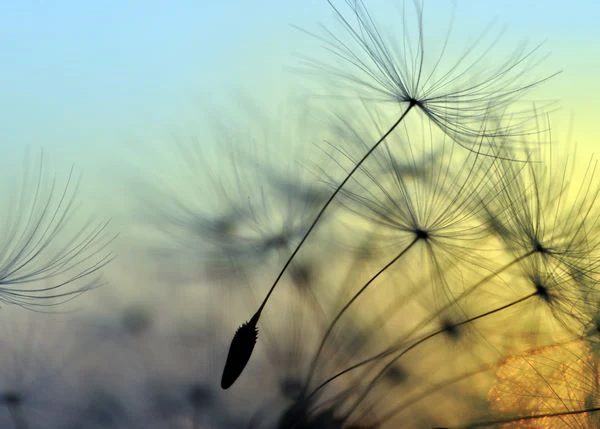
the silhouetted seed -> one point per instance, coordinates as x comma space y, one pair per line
278, 241
301, 274
396, 374
240, 350
221, 227
421, 234
449, 328
542, 291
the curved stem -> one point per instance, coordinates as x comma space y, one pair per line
390, 350
428, 337
329, 201
348, 304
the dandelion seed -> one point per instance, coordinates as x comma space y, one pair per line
548, 208
455, 94
136, 320
437, 211
243, 205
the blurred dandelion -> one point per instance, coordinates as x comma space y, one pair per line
47, 255
244, 208
461, 106
409, 69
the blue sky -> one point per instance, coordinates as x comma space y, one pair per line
81, 76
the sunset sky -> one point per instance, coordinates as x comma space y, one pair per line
120, 89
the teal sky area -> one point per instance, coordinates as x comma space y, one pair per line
91, 77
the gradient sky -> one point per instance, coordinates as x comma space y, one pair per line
91, 77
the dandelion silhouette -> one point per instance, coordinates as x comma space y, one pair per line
452, 102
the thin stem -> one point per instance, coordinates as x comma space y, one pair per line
244, 340
411, 104
392, 349
348, 304
428, 337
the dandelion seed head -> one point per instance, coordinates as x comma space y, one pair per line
455, 94
542, 291
450, 329
549, 379
41, 263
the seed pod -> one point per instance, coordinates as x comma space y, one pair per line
240, 351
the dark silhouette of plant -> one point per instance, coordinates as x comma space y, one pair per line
448, 97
